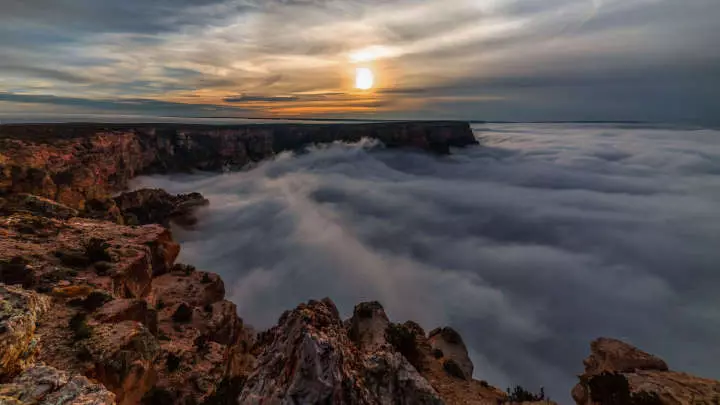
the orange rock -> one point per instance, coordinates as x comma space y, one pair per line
72, 291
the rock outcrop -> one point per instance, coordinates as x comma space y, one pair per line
308, 358
106, 301
618, 373
43, 385
76, 163
20, 310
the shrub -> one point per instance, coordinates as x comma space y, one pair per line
520, 394
78, 325
403, 340
614, 389
96, 250
453, 368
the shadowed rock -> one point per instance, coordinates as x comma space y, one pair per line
76, 163
618, 373
47, 385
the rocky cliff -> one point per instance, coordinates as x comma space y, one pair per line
94, 308
76, 163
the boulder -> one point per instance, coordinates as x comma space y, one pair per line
123, 356
120, 310
156, 206
450, 343
619, 373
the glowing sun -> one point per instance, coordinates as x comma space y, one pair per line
364, 79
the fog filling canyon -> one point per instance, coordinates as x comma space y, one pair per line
531, 245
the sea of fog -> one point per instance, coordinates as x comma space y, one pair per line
531, 245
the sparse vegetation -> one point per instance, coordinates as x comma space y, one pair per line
78, 325
96, 250
453, 368
614, 389
206, 278
520, 394
95, 300
402, 339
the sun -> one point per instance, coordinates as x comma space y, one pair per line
364, 78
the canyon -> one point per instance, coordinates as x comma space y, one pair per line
96, 310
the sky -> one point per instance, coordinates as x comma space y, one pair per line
543, 238
536, 60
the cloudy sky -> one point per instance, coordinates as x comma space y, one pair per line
655, 60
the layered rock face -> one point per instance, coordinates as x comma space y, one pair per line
74, 163
105, 301
618, 373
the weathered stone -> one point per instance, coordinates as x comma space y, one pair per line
121, 310
618, 373
308, 358
613, 355
123, 355
36, 205
368, 326
75, 163
45, 385
453, 348
156, 206
20, 310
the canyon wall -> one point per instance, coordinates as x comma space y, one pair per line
73, 163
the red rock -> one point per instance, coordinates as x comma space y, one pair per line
123, 355
450, 343
47, 385
75, 163
616, 372
20, 310
120, 310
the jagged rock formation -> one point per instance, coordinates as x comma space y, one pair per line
308, 358
75, 163
112, 305
147, 206
617, 373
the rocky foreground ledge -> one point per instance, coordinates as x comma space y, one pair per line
94, 308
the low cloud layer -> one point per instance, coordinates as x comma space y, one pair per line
537, 242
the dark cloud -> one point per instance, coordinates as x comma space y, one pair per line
122, 105
39, 72
403, 91
133, 16
542, 239
248, 98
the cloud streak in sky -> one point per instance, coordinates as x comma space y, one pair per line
532, 245
211, 51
